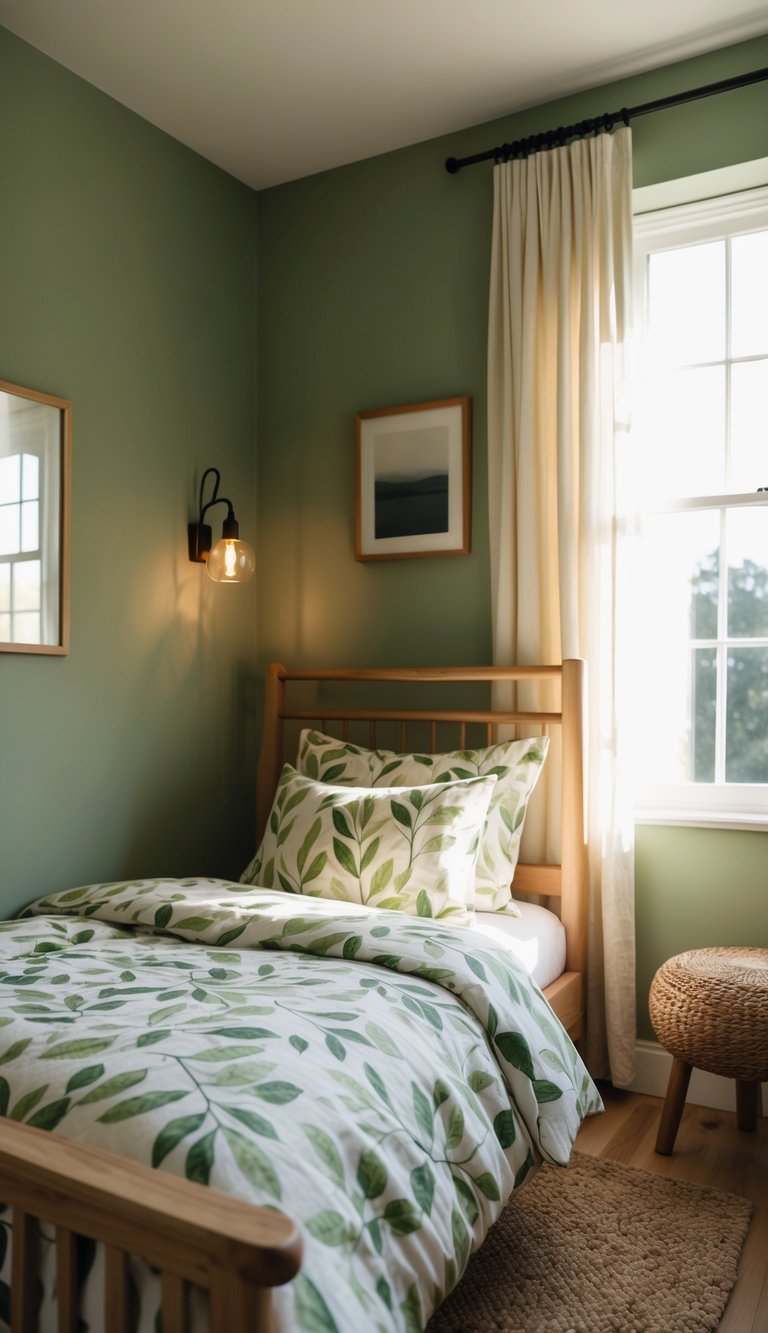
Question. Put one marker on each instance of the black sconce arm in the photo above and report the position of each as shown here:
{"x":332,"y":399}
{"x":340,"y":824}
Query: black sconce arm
{"x":199,"y":534}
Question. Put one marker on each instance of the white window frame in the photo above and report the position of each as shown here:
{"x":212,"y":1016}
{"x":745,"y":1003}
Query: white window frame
{"x":715,"y":804}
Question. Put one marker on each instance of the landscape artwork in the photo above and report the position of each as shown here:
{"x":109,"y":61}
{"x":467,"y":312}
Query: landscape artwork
{"x":413,"y":480}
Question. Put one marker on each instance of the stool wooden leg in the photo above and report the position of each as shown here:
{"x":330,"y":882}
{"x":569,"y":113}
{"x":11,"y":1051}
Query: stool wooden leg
{"x":746,"y":1104}
{"x":679,"y":1078}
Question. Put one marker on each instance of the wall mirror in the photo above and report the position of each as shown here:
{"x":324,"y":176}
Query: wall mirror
{"x":35,"y":448}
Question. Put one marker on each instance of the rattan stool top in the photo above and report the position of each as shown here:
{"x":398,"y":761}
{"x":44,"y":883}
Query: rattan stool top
{"x":709,"y":1007}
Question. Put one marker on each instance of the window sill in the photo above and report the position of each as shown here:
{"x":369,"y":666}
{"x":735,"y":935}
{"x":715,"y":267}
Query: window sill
{"x":715,"y":819}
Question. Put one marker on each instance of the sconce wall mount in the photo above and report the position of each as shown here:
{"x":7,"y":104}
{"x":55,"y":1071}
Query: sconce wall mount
{"x":230,"y":560}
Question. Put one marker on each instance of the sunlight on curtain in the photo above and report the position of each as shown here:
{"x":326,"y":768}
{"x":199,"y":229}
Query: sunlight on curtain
{"x":560,"y":307}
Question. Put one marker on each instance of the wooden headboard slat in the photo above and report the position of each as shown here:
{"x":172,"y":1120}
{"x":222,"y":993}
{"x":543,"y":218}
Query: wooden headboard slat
{"x":425,"y":673}
{"x":481,"y":715}
{"x":546,"y":880}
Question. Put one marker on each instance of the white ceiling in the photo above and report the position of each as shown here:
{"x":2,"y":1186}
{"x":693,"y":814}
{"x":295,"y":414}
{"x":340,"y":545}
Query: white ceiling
{"x":272,"y":90}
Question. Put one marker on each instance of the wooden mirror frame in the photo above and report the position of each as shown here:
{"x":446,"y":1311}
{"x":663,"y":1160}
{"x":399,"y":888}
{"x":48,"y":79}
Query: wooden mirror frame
{"x":57,"y":643}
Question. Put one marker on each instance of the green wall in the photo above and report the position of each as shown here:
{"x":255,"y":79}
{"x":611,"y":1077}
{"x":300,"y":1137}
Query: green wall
{"x":373,"y":291}
{"x":127,"y":284}
{"x":696,"y":888}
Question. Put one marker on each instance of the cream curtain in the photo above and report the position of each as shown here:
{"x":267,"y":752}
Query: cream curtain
{"x":560,"y":306}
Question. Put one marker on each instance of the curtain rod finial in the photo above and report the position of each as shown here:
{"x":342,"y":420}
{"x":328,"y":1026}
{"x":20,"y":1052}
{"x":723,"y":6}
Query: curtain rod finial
{"x":452,"y":165}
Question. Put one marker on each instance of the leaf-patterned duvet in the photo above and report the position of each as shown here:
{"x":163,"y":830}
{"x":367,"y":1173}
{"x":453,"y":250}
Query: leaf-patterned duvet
{"x":384,"y":1080}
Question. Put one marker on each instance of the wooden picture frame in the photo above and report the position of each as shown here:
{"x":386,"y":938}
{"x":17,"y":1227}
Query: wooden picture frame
{"x":35,"y":486}
{"x":413,"y":484}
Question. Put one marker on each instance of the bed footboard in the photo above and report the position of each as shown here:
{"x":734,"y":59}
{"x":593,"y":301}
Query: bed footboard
{"x":195,"y":1236}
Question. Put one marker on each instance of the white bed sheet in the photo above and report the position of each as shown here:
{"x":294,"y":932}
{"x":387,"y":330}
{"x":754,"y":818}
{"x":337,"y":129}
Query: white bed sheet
{"x":536,"y":937}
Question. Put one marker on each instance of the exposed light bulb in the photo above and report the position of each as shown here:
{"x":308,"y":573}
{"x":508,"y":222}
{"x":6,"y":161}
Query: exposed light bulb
{"x":231,"y":561}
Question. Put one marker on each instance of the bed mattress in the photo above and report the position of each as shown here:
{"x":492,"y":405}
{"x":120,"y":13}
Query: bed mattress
{"x":536,"y":938}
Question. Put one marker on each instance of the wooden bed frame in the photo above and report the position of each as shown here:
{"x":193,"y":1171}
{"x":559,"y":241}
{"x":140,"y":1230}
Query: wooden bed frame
{"x":199,"y":1237}
{"x":564,"y":885}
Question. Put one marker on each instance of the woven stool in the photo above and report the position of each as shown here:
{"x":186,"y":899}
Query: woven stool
{"x":709,"y":1009}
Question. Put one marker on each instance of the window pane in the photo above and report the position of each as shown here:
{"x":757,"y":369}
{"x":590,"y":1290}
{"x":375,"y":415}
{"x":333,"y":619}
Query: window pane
{"x":703,"y":706}
{"x":677,"y":742}
{"x":749,"y":285}
{"x":30,"y":477}
{"x":26,"y":627}
{"x":5,"y":627}
{"x":686,"y":309}
{"x":30,"y":525}
{"x":681,"y":554}
{"x":747,"y":547}
{"x":705,"y":595}
{"x":749,"y":426}
{"x":10,"y":479}
{"x":5,"y":587}
{"x":26,"y":585}
{"x":10,"y":538}
{"x":682,"y":433}
{"x":746,"y":743}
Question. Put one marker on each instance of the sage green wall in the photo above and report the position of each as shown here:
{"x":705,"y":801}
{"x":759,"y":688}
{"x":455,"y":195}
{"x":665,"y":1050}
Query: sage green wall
{"x":127,"y":284}
{"x":373,"y":291}
{"x":695,"y":888}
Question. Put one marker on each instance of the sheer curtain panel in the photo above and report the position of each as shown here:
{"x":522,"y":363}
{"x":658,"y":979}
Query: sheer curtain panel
{"x":560,"y":306}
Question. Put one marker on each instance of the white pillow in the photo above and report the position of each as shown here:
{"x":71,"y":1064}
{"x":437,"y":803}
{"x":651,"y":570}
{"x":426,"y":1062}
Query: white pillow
{"x":515,"y":764}
{"x":411,"y":850}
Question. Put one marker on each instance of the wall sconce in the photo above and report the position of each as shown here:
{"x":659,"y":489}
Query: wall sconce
{"x":230,"y":560}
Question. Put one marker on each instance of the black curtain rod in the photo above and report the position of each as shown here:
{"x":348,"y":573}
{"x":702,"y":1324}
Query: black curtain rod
{"x":556,"y":138}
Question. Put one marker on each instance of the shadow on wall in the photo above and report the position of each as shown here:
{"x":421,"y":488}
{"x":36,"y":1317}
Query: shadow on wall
{"x":246,"y":742}
{"x":188,"y":733}
{"x":198,"y":826}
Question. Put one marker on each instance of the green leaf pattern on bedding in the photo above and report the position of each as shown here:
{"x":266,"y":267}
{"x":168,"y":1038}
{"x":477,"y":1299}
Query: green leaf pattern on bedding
{"x":410,"y":851}
{"x":516,"y":765}
{"x":362,"y":1070}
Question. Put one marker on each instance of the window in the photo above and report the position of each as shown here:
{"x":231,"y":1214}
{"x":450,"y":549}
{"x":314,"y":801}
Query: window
{"x":700,"y":444}
{"x":34,"y":520}
{"x":20,"y":567}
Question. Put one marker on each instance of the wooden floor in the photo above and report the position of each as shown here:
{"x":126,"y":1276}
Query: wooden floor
{"x":709,"y":1150}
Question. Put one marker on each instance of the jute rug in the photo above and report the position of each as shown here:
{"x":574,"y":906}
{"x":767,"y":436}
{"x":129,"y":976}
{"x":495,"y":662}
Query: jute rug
{"x":601,"y":1247}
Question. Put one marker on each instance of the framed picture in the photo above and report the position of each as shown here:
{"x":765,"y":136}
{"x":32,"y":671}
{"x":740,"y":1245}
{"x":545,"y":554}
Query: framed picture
{"x":414,"y":480}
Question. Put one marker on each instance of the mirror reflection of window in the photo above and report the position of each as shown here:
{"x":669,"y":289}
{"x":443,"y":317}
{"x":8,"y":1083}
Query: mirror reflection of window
{"x":33,"y":460}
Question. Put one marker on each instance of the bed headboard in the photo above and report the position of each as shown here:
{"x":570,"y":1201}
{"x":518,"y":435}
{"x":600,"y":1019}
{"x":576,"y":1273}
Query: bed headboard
{"x":564,"y":883}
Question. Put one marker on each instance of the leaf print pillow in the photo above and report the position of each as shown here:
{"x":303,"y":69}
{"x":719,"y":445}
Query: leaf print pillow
{"x":515,"y":764}
{"x":410,"y":851}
